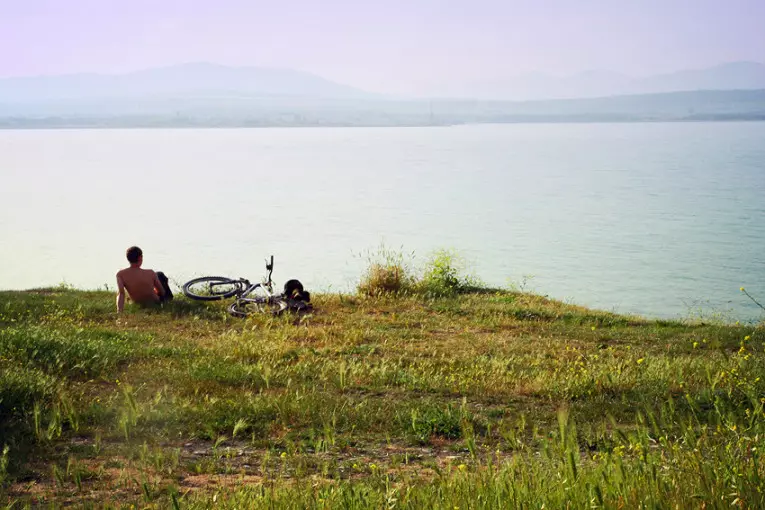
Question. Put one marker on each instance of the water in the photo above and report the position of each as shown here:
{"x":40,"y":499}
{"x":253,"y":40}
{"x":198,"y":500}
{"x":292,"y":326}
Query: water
{"x":663,"y":220}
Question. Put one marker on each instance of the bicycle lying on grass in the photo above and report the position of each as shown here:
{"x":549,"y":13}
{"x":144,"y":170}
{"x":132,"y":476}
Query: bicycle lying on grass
{"x":250,"y":297}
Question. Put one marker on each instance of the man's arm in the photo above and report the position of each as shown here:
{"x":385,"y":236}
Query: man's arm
{"x":120,"y":294}
{"x":158,"y":287}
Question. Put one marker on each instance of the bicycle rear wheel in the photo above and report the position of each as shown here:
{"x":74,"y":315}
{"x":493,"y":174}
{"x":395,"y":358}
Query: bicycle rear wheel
{"x":212,"y":288}
{"x":243,"y":307}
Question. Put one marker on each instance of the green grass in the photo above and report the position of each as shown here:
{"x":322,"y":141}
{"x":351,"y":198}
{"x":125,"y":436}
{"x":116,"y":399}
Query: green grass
{"x":442,"y":396}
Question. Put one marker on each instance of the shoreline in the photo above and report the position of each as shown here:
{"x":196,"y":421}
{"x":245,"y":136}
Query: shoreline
{"x":116,"y":125}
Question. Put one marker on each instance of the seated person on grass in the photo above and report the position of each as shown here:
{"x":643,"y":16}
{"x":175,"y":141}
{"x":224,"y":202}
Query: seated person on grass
{"x":144,"y":286}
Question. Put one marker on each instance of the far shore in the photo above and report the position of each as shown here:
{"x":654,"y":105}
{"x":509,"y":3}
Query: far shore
{"x":55,"y":123}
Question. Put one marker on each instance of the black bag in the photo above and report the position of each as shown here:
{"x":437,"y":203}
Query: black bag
{"x":293,"y":289}
{"x":298,"y":299}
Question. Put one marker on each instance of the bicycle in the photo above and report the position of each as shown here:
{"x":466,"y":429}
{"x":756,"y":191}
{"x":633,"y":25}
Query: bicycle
{"x":213,"y":288}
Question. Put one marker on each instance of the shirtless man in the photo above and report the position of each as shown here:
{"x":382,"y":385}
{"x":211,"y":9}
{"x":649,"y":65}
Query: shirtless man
{"x":144,"y":286}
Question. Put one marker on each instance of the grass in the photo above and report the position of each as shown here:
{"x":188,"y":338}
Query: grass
{"x":392,"y":272}
{"x":389,"y":272}
{"x":460,"y":398}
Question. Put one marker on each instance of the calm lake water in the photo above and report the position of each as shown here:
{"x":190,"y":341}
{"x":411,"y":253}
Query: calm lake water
{"x":662,"y":220}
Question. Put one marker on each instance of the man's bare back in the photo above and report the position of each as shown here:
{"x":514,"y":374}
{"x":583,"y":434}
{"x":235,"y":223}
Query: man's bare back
{"x":144,"y":286}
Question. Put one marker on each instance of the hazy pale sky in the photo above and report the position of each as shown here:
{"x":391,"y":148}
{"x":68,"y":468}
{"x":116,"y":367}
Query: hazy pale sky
{"x":399,"y":46}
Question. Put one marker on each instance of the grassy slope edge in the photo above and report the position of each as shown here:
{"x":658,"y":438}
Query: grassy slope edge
{"x":470,"y":400}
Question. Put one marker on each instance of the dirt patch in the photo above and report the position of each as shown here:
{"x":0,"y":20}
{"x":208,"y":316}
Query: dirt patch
{"x":205,"y":482}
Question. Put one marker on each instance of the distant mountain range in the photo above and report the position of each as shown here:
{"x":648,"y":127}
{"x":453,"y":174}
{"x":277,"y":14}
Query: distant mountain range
{"x":730,"y":76}
{"x":211,"y":80}
{"x":187,"y":80}
{"x":214,"y":95}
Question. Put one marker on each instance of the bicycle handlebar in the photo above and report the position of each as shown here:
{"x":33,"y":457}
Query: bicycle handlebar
{"x":270,"y":269}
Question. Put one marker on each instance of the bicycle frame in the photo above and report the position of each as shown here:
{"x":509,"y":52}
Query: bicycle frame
{"x":249,"y":297}
{"x":267,"y":285}
{"x":245,"y":288}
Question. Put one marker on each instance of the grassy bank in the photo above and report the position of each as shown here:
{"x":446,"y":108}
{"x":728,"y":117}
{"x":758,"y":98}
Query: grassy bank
{"x":470,"y":400}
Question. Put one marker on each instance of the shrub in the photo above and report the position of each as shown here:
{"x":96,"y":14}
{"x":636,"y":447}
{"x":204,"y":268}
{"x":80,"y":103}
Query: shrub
{"x":444,"y":275}
{"x":387,"y":273}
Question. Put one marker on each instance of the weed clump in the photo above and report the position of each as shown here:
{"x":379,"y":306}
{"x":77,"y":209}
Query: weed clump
{"x":387,"y":273}
{"x":444,"y":275}
{"x":383,"y":279}
{"x":390,"y":272}
{"x":427,"y":422}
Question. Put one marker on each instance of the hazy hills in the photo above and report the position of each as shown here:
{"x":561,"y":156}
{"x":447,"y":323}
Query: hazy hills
{"x":198,"y":79}
{"x":730,"y":76}
{"x":212,"y":80}
{"x":214,"y":95}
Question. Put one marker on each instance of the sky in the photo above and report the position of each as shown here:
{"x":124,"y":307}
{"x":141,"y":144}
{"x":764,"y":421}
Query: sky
{"x":394,"y":46}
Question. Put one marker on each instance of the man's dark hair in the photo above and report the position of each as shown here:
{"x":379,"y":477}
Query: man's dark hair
{"x":133,"y":254}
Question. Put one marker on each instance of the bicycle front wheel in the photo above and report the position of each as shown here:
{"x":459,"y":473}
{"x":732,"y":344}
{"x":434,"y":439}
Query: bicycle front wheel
{"x":211,"y":288}
{"x":247,"y":306}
